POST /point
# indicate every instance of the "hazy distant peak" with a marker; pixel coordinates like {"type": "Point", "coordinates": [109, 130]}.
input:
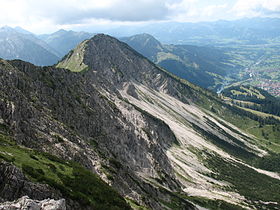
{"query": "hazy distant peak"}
{"type": "Point", "coordinates": [145, 43]}
{"type": "Point", "coordinates": [60, 31]}
{"type": "Point", "coordinates": [63, 40]}
{"type": "Point", "coordinates": [144, 36]}
{"type": "Point", "coordinates": [18, 43]}
{"type": "Point", "coordinates": [7, 29]}
{"type": "Point", "coordinates": [16, 30]}
{"type": "Point", "coordinates": [22, 30]}
{"type": "Point", "coordinates": [63, 32]}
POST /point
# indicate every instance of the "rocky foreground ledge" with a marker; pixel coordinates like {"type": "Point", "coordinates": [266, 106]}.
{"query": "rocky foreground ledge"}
{"type": "Point", "coordinates": [17, 192]}
{"type": "Point", "coordinates": [26, 203]}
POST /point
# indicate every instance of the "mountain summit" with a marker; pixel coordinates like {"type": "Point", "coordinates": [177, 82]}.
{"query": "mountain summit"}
{"type": "Point", "coordinates": [145, 44]}
{"type": "Point", "coordinates": [118, 64]}
{"type": "Point", "coordinates": [111, 58]}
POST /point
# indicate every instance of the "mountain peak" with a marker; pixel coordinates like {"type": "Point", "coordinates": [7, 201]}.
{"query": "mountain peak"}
{"type": "Point", "coordinates": [145, 35]}
{"type": "Point", "coordinates": [145, 43]}
{"type": "Point", "coordinates": [15, 30]}
{"type": "Point", "coordinates": [22, 30]}
{"type": "Point", "coordinates": [7, 29]}
{"type": "Point", "coordinates": [145, 38]}
{"type": "Point", "coordinates": [110, 60]}
{"type": "Point", "coordinates": [103, 37]}
{"type": "Point", "coordinates": [90, 53]}
{"type": "Point", "coordinates": [60, 31]}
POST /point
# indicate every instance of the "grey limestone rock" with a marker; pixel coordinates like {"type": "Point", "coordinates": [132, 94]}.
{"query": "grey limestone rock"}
{"type": "Point", "coordinates": [25, 203]}
{"type": "Point", "coordinates": [13, 184]}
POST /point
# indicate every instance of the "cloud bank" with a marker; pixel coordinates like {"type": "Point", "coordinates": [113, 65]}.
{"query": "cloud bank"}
{"type": "Point", "coordinates": [41, 15]}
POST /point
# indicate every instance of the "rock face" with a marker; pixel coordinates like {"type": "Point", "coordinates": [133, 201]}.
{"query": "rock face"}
{"type": "Point", "coordinates": [13, 185]}
{"type": "Point", "coordinates": [139, 128]}
{"type": "Point", "coordinates": [26, 203]}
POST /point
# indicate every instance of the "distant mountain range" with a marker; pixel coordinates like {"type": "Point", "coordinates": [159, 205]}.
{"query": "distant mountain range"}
{"type": "Point", "coordinates": [19, 44]}
{"type": "Point", "coordinates": [209, 54]}
{"type": "Point", "coordinates": [47, 49]}
{"type": "Point", "coordinates": [246, 31]}
{"type": "Point", "coordinates": [64, 41]}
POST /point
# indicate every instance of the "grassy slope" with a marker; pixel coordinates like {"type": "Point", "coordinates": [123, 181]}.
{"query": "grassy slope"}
{"type": "Point", "coordinates": [74, 60]}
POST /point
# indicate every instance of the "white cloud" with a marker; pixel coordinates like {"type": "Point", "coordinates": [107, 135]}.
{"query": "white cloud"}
{"type": "Point", "coordinates": [253, 8]}
{"type": "Point", "coordinates": [12, 11]}
{"type": "Point", "coordinates": [73, 11]}
{"type": "Point", "coordinates": [183, 10]}
{"type": "Point", "coordinates": [49, 15]}
{"type": "Point", "coordinates": [35, 15]}
{"type": "Point", "coordinates": [213, 10]}
{"type": "Point", "coordinates": [195, 10]}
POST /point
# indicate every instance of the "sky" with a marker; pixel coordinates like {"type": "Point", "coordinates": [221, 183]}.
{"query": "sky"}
{"type": "Point", "coordinates": [46, 16]}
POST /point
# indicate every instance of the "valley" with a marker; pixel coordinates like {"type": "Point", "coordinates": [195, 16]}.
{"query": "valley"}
{"type": "Point", "coordinates": [261, 67]}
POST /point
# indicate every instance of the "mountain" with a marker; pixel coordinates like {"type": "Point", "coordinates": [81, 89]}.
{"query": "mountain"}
{"type": "Point", "coordinates": [63, 41]}
{"type": "Point", "coordinates": [25, 46]}
{"type": "Point", "coordinates": [22, 30]}
{"type": "Point", "coordinates": [203, 66]}
{"type": "Point", "coordinates": [159, 141]}
{"type": "Point", "coordinates": [145, 44]}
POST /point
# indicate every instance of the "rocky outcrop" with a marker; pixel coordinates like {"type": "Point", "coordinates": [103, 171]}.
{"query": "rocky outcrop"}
{"type": "Point", "coordinates": [26, 203]}
{"type": "Point", "coordinates": [13, 185]}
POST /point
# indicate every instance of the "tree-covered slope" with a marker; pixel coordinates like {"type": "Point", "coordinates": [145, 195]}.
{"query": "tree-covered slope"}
{"type": "Point", "coordinates": [253, 98]}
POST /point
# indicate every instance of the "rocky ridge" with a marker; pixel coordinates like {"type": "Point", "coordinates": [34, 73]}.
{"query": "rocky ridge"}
{"type": "Point", "coordinates": [141, 129]}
